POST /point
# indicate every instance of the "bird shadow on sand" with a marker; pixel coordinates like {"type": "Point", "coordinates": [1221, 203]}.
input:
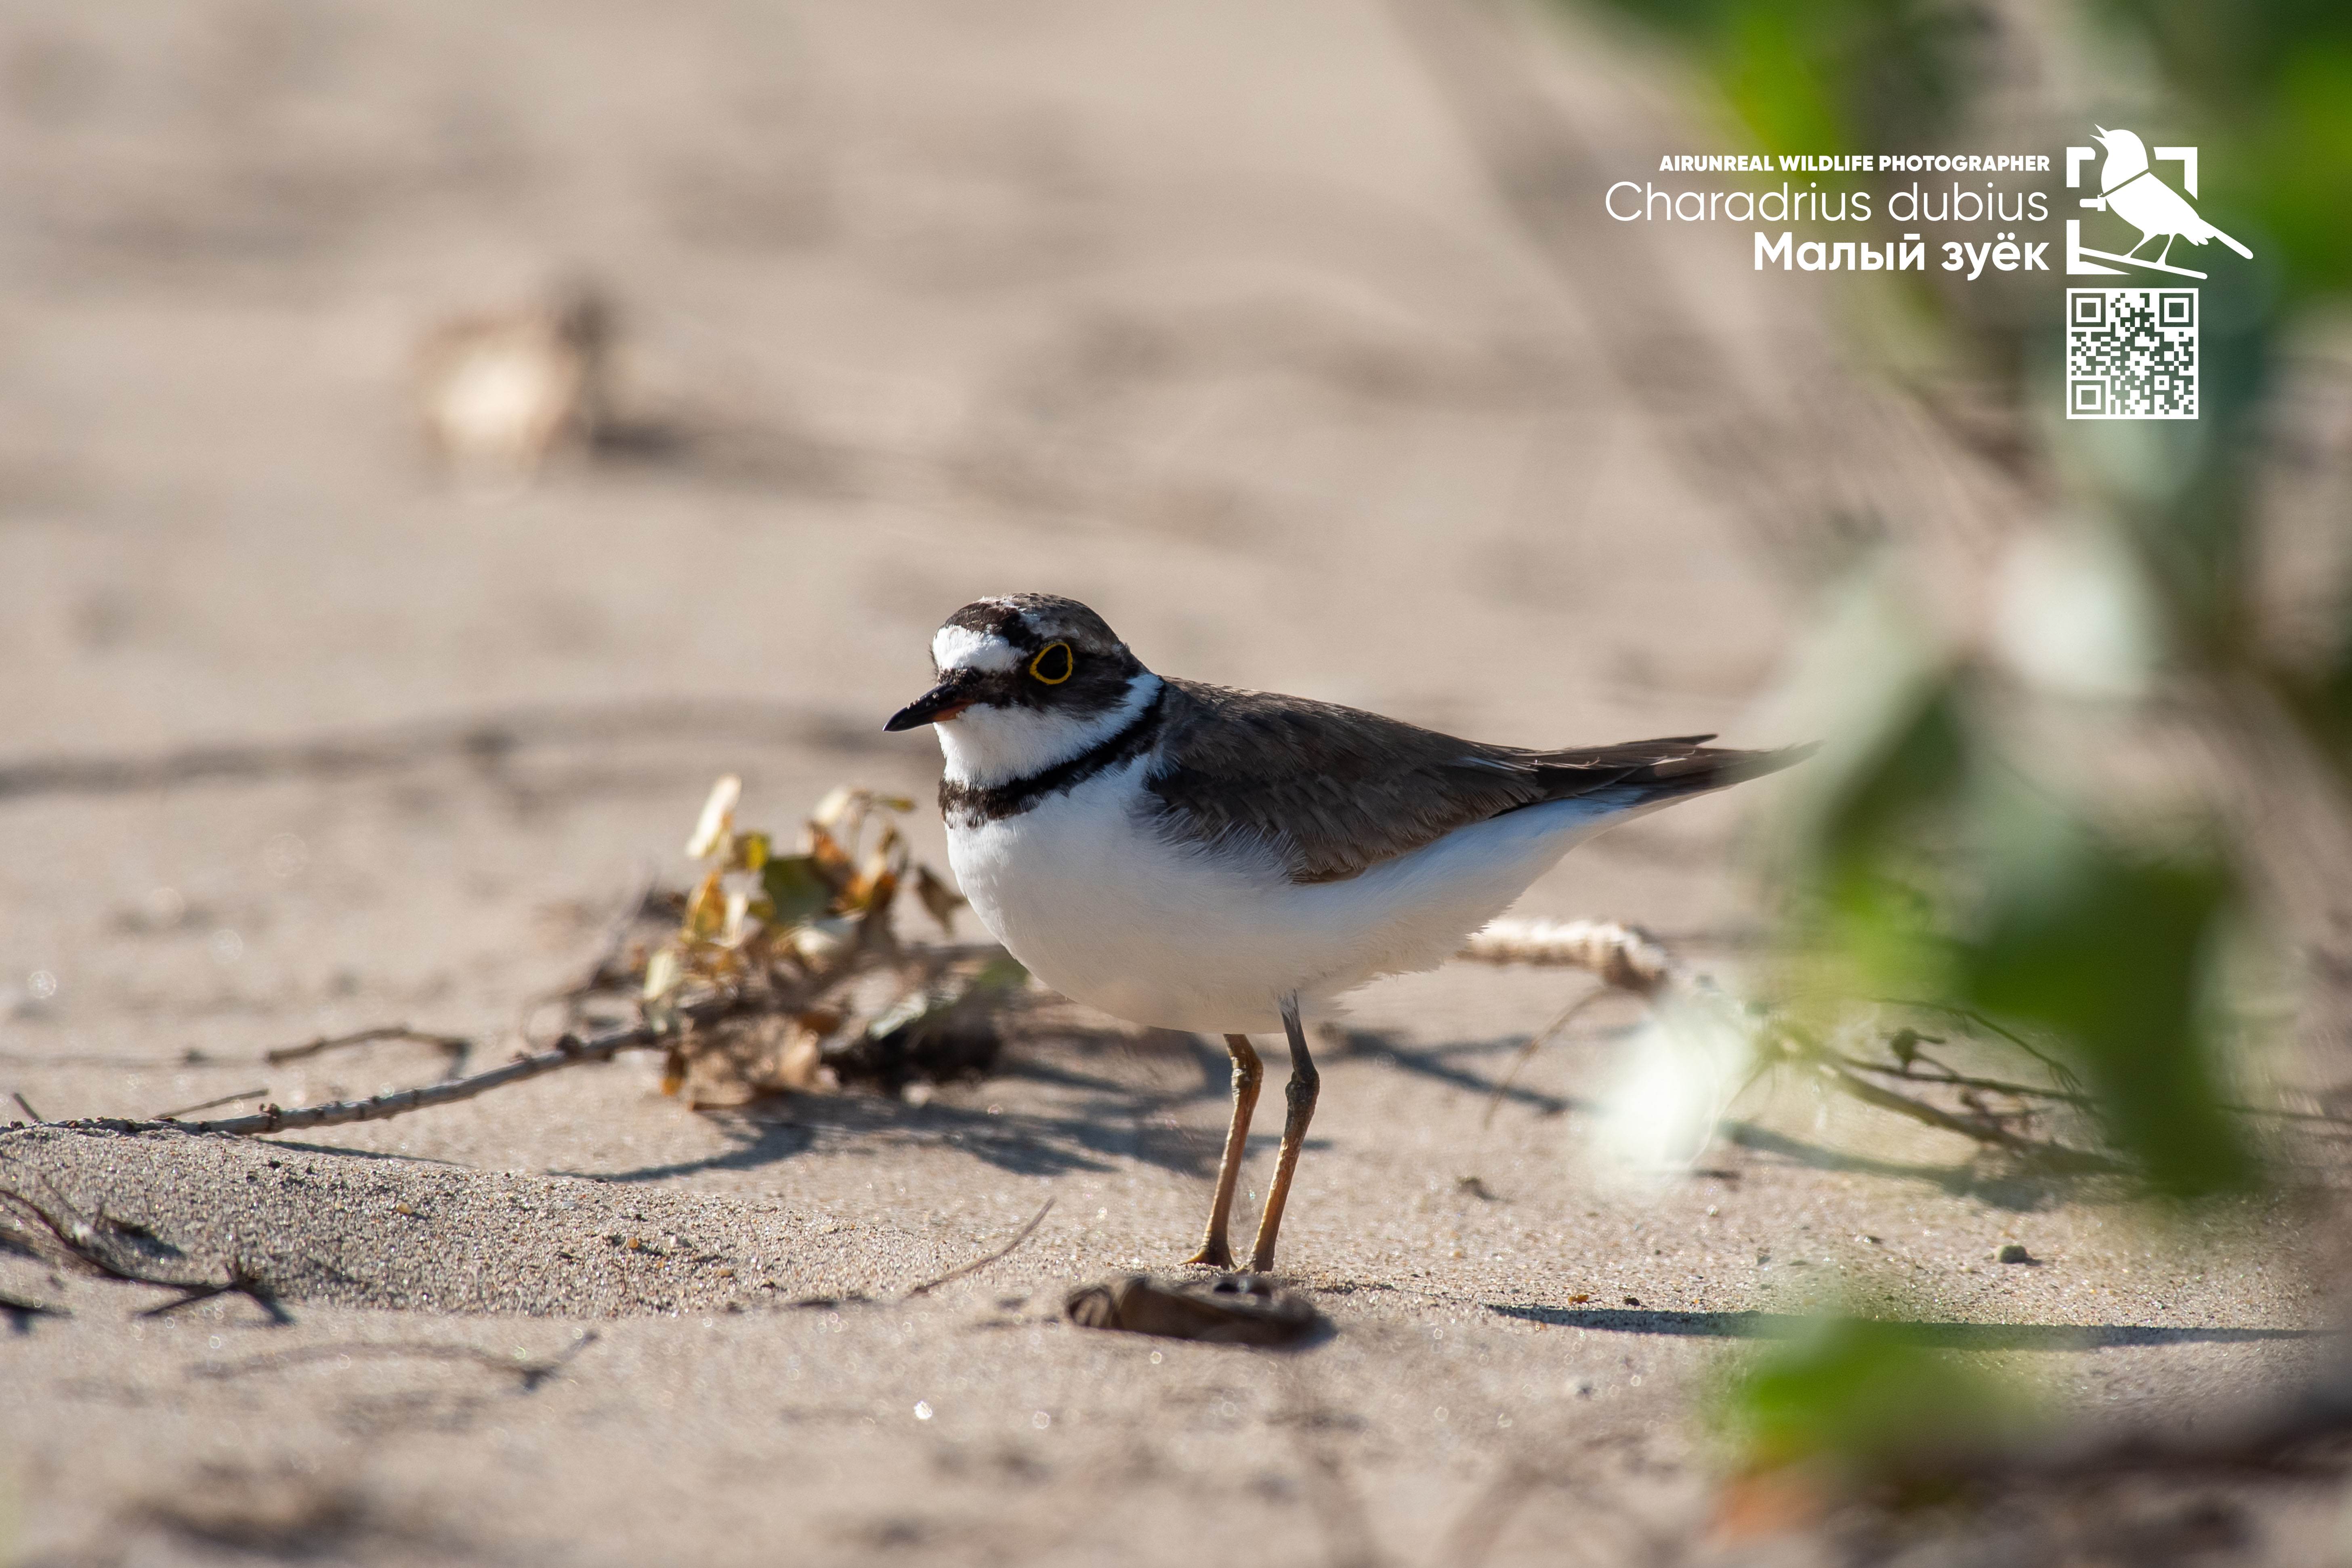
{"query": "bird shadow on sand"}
{"type": "Point", "coordinates": [1452, 1063]}
{"type": "Point", "coordinates": [1947, 1336]}
{"type": "Point", "coordinates": [1044, 1113]}
{"type": "Point", "coordinates": [1076, 1100]}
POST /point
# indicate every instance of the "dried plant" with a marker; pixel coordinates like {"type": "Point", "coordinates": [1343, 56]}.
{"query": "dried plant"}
{"type": "Point", "coordinates": [807, 936]}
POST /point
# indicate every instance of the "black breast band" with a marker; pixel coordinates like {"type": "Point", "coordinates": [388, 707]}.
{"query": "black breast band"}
{"type": "Point", "coordinates": [968, 805]}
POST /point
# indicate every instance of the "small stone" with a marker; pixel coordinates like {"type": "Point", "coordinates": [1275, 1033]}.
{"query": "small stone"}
{"type": "Point", "coordinates": [2013, 1252]}
{"type": "Point", "coordinates": [1633, 1300]}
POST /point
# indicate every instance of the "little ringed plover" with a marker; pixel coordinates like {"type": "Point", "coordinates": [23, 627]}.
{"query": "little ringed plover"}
{"type": "Point", "coordinates": [1192, 856]}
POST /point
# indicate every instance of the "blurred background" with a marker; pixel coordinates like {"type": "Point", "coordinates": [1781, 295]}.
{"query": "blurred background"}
{"type": "Point", "coordinates": [435, 440]}
{"type": "Point", "coordinates": [588, 403]}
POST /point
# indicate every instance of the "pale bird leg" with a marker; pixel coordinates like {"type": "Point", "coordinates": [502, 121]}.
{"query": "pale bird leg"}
{"type": "Point", "coordinates": [1248, 1074]}
{"type": "Point", "coordinates": [1300, 1095]}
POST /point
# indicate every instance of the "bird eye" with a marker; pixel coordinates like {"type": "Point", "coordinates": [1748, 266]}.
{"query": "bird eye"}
{"type": "Point", "coordinates": [1055, 663]}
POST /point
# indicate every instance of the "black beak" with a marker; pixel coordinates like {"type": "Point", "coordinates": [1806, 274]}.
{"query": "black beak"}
{"type": "Point", "coordinates": [950, 696]}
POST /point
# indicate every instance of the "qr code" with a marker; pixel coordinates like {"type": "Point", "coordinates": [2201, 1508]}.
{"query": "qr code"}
{"type": "Point", "coordinates": [2131, 353]}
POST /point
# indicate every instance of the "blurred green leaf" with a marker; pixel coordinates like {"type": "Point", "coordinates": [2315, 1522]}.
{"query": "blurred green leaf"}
{"type": "Point", "coordinates": [1773, 82]}
{"type": "Point", "coordinates": [795, 891]}
{"type": "Point", "coordinates": [1863, 1395]}
{"type": "Point", "coordinates": [2109, 950]}
{"type": "Point", "coordinates": [1000, 975]}
{"type": "Point", "coordinates": [1877, 803]}
{"type": "Point", "coordinates": [2269, 82]}
{"type": "Point", "coordinates": [1912, 769]}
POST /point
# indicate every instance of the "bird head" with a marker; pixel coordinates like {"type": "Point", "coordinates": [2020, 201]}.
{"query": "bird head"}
{"type": "Point", "coordinates": [1025, 681]}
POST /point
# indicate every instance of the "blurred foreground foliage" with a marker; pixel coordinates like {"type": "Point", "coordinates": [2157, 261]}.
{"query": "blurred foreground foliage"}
{"type": "Point", "coordinates": [2002, 825]}
{"type": "Point", "coordinates": [2103, 938]}
{"type": "Point", "coordinates": [1960, 847]}
{"type": "Point", "coordinates": [2266, 85]}
{"type": "Point", "coordinates": [1848, 1394]}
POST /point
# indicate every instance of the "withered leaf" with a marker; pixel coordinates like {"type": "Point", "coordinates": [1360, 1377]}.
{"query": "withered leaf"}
{"type": "Point", "coordinates": [663, 973]}
{"type": "Point", "coordinates": [940, 899]}
{"type": "Point", "coordinates": [706, 910]}
{"type": "Point", "coordinates": [828, 858]}
{"type": "Point", "coordinates": [837, 806]}
{"type": "Point", "coordinates": [871, 893]}
{"type": "Point", "coordinates": [718, 817]}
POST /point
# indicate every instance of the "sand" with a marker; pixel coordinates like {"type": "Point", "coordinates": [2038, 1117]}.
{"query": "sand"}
{"type": "Point", "coordinates": [1208, 316]}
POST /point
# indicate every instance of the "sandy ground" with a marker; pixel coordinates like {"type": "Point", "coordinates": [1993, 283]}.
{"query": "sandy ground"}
{"type": "Point", "coordinates": [1206, 314]}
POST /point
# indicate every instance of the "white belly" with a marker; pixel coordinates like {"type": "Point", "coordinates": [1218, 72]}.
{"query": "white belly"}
{"type": "Point", "coordinates": [1085, 893]}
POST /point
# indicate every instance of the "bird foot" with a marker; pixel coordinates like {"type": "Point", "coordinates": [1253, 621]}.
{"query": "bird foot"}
{"type": "Point", "coordinates": [1212, 1254]}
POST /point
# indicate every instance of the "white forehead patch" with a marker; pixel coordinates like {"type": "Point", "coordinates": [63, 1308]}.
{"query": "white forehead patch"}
{"type": "Point", "coordinates": [960, 648]}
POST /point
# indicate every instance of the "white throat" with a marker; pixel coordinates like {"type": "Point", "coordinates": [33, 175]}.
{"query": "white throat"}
{"type": "Point", "coordinates": [985, 746]}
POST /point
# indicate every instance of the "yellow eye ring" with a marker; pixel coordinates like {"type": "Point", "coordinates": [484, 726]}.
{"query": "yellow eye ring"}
{"type": "Point", "coordinates": [1069, 664]}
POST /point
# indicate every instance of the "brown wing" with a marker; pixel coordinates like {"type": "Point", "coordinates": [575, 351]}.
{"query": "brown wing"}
{"type": "Point", "coordinates": [1335, 791]}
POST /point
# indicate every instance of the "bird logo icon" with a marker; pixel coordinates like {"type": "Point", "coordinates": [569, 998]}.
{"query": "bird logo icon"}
{"type": "Point", "coordinates": [2130, 188]}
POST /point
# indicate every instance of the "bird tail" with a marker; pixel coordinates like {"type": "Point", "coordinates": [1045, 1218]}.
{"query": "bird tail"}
{"type": "Point", "coordinates": [1648, 773]}
{"type": "Point", "coordinates": [2232, 243]}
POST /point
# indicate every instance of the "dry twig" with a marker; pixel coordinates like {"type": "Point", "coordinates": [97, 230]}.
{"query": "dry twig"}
{"type": "Point", "coordinates": [1623, 957]}
{"type": "Point", "coordinates": [69, 1241]}
{"type": "Point", "coordinates": [2055, 1157]}
{"type": "Point", "coordinates": [977, 1264]}
{"type": "Point", "coordinates": [218, 1100]}
{"type": "Point", "coordinates": [569, 1051]}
